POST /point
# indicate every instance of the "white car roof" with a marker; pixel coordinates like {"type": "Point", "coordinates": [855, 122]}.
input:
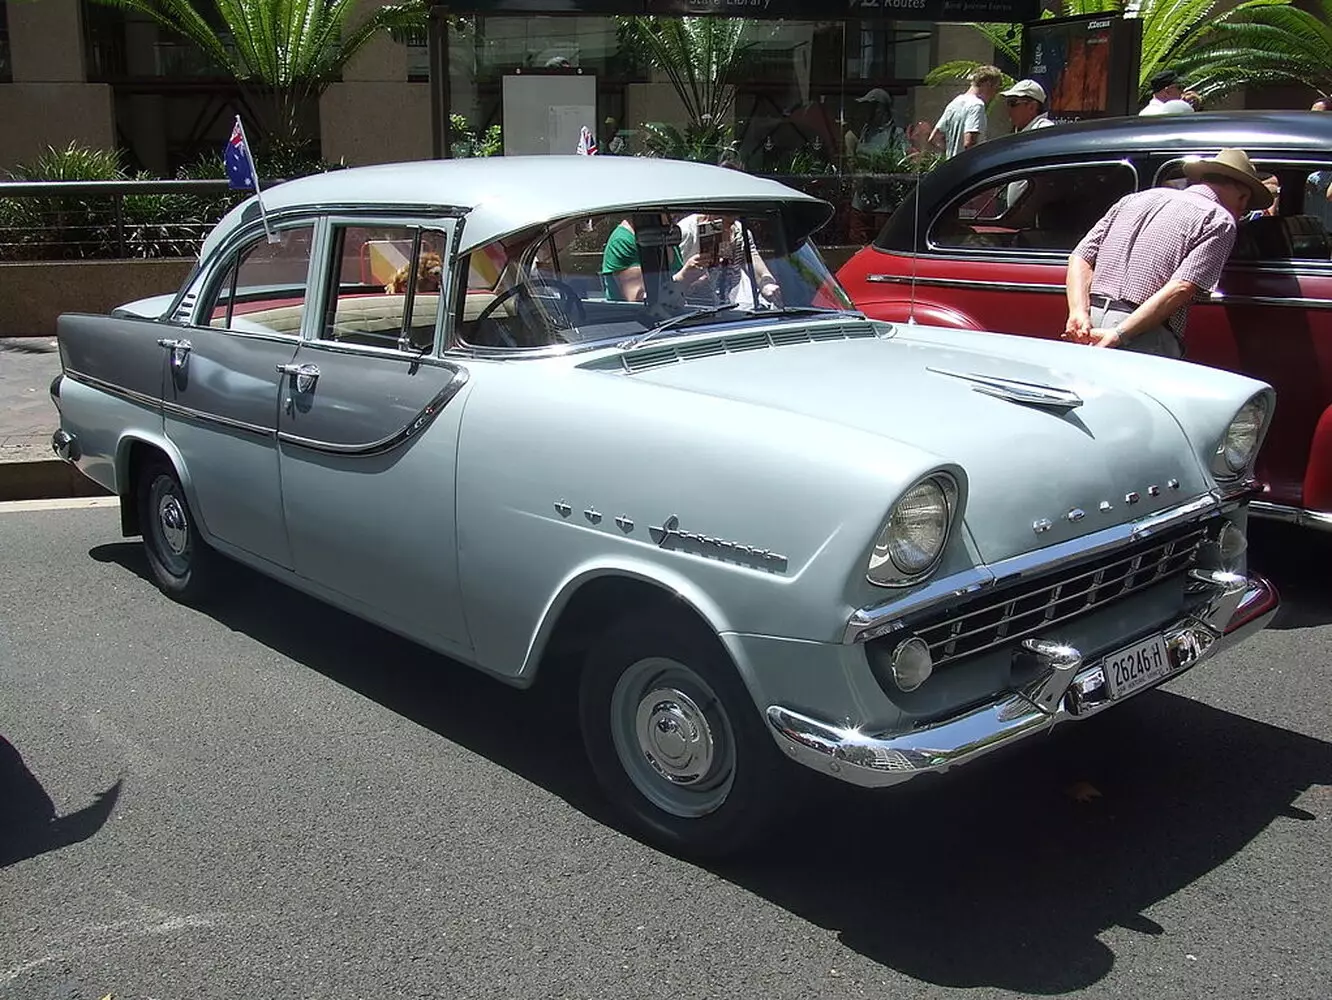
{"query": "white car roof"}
{"type": "Point", "coordinates": [505, 194]}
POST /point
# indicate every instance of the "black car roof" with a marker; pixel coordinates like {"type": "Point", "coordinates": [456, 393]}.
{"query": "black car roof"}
{"type": "Point", "coordinates": [1287, 132]}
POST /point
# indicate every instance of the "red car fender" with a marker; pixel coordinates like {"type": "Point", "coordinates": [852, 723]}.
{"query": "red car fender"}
{"type": "Point", "coordinates": [925, 313]}
{"type": "Point", "coordinates": [1318, 473]}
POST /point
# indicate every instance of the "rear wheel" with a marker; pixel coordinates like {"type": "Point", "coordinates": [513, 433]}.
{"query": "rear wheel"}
{"type": "Point", "coordinates": [674, 737]}
{"type": "Point", "coordinates": [182, 564]}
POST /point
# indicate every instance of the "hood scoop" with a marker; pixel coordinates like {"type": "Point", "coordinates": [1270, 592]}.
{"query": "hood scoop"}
{"type": "Point", "coordinates": [1043, 397]}
{"type": "Point", "coordinates": [685, 349]}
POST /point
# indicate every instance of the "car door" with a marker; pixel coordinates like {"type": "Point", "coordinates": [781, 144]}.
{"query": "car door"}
{"type": "Point", "coordinates": [996, 255]}
{"type": "Point", "coordinates": [367, 431]}
{"type": "Point", "coordinates": [1271, 318]}
{"type": "Point", "coordinates": [221, 392]}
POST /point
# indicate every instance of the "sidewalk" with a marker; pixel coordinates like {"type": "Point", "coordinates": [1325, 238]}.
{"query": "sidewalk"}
{"type": "Point", "coordinates": [28, 468]}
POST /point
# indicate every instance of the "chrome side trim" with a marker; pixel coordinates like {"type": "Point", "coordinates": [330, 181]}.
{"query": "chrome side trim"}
{"type": "Point", "coordinates": [129, 395]}
{"type": "Point", "coordinates": [1222, 299]}
{"type": "Point", "coordinates": [1226, 612]}
{"type": "Point", "coordinates": [879, 619]}
{"type": "Point", "coordinates": [199, 416]}
{"type": "Point", "coordinates": [422, 420]}
{"type": "Point", "coordinates": [969, 283]}
{"type": "Point", "coordinates": [1320, 519]}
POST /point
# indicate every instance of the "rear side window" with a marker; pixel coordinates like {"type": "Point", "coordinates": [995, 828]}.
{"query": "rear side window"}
{"type": "Point", "coordinates": [263, 288]}
{"type": "Point", "coordinates": [1040, 209]}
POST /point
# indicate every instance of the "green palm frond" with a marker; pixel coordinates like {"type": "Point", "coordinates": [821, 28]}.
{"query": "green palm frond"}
{"type": "Point", "coordinates": [697, 54]}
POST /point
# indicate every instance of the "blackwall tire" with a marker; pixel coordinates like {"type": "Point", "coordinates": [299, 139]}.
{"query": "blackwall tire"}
{"type": "Point", "coordinates": [182, 564]}
{"type": "Point", "coordinates": [675, 740]}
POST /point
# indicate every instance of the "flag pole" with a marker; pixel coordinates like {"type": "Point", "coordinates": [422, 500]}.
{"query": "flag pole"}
{"type": "Point", "coordinates": [254, 174]}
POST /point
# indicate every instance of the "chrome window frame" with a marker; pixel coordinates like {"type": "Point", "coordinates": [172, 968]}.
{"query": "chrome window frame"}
{"type": "Point", "coordinates": [208, 275]}
{"type": "Point", "coordinates": [1008, 177]}
{"type": "Point", "coordinates": [446, 225]}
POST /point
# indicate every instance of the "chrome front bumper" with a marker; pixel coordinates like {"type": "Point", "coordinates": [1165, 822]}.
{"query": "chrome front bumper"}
{"type": "Point", "coordinates": [1227, 608]}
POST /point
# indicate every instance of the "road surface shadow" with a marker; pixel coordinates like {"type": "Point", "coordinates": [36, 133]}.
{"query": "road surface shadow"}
{"type": "Point", "coordinates": [30, 825]}
{"type": "Point", "coordinates": [1297, 561]}
{"type": "Point", "coordinates": [999, 875]}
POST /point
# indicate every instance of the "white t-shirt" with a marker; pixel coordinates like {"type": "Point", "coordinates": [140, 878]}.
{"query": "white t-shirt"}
{"type": "Point", "coordinates": [965, 113]}
{"type": "Point", "coordinates": [729, 282]}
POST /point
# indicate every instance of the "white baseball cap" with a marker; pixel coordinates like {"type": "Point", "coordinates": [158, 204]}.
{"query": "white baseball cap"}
{"type": "Point", "coordinates": [1026, 88]}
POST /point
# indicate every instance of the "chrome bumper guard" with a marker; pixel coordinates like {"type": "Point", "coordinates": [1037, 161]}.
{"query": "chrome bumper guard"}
{"type": "Point", "coordinates": [1228, 608]}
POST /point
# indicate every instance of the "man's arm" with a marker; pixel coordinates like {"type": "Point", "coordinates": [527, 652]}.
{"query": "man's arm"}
{"type": "Point", "coordinates": [1152, 313]}
{"type": "Point", "coordinates": [1077, 287]}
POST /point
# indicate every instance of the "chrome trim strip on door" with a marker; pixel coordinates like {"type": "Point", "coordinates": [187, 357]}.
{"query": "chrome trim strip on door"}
{"type": "Point", "coordinates": [973, 283]}
{"type": "Point", "coordinates": [1322, 520]}
{"type": "Point", "coordinates": [421, 421]}
{"type": "Point", "coordinates": [1222, 299]}
{"type": "Point", "coordinates": [189, 413]}
{"type": "Point", "coordinates": [129, 395]}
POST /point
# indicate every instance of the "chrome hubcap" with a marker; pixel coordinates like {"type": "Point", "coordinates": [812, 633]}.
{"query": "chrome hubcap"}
{"type": "Point", "coordinates": [674, 735]}
{"type": "Point", "coordinates": [174, 524]}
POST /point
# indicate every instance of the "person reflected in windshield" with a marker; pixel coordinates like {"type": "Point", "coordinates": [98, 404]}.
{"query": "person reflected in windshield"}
{"type": "Point", "coordinates": [720, 242]}
{"type": "Point", "coordinates": [622, 266]}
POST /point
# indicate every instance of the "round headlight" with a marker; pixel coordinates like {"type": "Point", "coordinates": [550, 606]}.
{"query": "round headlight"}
{"type": "Point", "coordinates": [912, 663]}
{"type": "Point", "coordinates": [913, 539]}
{"type": "Point", "coordinates": [1237, 448]}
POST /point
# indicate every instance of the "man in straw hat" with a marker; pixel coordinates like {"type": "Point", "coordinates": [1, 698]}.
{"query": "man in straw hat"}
{"type": "Point", "coordinates": [1132, 278]}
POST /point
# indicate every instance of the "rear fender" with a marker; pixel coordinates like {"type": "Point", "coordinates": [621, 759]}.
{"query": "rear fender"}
{"type": "Point", "coordinates": [126, 487]}
{"type": "Point", "coordinates": [1318, 473]}
{"type": "Point", "coordinates": [923, 313]}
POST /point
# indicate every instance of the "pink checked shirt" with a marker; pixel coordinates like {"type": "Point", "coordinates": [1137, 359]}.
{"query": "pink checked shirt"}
{"type": "Point", "coordinates": [1155, 236]}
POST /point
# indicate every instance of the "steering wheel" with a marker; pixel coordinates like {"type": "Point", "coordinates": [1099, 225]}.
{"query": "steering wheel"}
{"type": "Point", "coordinates": [570, 304]}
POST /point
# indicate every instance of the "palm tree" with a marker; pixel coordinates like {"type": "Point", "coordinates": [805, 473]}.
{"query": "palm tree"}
{"type": "Point", "coordinates": [290, 49]}
{"type": "Point", "coordinates": [1217, 48]}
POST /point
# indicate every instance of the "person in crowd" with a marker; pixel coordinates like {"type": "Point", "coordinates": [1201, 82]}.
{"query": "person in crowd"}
{"type": "Point", "coordinates": [622, 266]}
{"type": "Point", "coordinates": [1165, 87]}
{"type": "Point", "coordinates": [880, 137]}
{"type": "Point", "coordinates": [1025, 103]}
{"type": "Point", "coordinates": [1174, 106]}
{"type": "Point", "coordinates": [719, 243]}
{"type": "Point", "coordinates": [1133, 277]}
{"type": "Point", "coordinates": [1193, 99]}
{"type": "Point", "coordinates": [963, 122]}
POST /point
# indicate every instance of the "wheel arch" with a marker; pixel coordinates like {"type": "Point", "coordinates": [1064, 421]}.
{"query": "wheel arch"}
{"type": "Point", "coordinates": [133, 451]}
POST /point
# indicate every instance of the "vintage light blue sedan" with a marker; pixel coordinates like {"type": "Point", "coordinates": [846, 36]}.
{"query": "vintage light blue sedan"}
{"type": "Point", "coordinates": [618, 413]}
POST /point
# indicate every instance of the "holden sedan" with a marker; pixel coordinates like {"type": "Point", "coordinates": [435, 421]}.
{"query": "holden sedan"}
{"type": "Point", "coordinates": [985, 243]}
{"type": "Point", "coordinates": [616, 415]}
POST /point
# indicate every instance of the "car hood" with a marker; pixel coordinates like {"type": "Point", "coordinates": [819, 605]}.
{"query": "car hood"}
{"type": "Point", "coordinates": [1074, 468]}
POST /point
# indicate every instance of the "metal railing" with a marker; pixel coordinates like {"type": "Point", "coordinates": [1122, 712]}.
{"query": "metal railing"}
{"type": "Point", "coordinates": [89, 220]}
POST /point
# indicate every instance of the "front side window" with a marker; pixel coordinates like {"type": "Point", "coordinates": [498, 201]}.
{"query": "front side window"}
{"type": "Point", "coordinates": [386, 287]}
{"type": "Point", "coordinates": [1034, 210]}
{"type": "Point", "coordinates": [263, 289]}
{"type": "Point", "coordinates": [1294, 228]}
{"type": "Point", "coordinates": [621, 275]}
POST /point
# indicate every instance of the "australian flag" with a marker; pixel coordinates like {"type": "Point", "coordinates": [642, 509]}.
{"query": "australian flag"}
{"type": "Point", "coordinates": [236, 157]}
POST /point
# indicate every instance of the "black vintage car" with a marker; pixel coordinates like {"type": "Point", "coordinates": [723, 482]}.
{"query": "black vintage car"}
{"type": "Point", "coordinates": [984, 245]}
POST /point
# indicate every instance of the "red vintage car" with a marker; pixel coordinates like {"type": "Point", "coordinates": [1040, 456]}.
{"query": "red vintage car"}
{"type": "Point", "coordinates": [984, 241]}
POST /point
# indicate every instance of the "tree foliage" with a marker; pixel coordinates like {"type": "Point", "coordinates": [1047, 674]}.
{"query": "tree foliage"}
{"type": "Point", "coordinates": [292, 49]}
{"type": "Point", "coordinates": [1217, 48]}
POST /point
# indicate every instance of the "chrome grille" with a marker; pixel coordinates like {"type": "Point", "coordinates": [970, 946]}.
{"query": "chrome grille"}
{"type": "Point", "coordinates": [1026, 608]}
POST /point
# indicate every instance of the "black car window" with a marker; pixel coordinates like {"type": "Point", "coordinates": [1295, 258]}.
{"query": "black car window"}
{"type": "Point", "coordinates": [386, 286]}
{"type": "Point", "coordinates": [1041, 209]}
{"type": "Point", "coordinates": [1297, 225]}
{"type": "Point", "coordinates": [263, 287]}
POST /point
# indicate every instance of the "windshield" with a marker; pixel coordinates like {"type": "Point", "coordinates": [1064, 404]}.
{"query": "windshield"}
{"type": "Point", "coordinates": [623, 276]}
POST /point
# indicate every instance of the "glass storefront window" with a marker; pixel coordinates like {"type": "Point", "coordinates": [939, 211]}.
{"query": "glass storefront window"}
{"type": "Point", "coordinates": [818, 104]}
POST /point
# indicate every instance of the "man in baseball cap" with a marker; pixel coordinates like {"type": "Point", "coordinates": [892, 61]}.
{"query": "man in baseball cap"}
{"type": "Point", "coordinates": [1025, 103]}
{"type": "Point", "coordinates": [1166, 86]}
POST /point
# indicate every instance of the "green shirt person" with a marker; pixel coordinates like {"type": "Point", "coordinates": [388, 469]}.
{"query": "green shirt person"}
{"type": "Point", "coordinates": [622, 266]}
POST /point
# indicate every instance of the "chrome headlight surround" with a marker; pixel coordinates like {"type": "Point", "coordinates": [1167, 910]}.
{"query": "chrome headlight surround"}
{"type": "Point", "coordinates": [1239, 444]}
{"type": "Point", "coordinates": [913, 539]}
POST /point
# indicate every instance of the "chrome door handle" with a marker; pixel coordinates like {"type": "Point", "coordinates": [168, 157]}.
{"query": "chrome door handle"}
{"type": "Point", "coordinates": [179, 348]}
{"type": "Point", "coordinates": [305, 375]}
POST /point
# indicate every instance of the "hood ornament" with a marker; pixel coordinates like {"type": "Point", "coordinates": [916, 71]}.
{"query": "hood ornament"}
{"type": "Point", "coordinates": [1045, 397]}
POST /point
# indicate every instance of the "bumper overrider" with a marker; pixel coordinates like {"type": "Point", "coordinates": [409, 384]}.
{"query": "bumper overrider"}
{"type": "Point", "coordinates": [1221, 609]}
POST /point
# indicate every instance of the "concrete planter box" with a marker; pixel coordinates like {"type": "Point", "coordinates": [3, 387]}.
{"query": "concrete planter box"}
{"type": "Point", "coordinates": [34, 293]}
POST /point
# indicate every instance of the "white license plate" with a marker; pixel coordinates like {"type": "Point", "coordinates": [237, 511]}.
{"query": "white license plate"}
{"type": "Point", "coordinates": [1136, 666]}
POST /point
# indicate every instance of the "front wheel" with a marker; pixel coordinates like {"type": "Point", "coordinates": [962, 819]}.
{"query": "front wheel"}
{"type": "Point", "coordinates": [675, 739]}
{"type": "Point", "coordinates": [182, 564]}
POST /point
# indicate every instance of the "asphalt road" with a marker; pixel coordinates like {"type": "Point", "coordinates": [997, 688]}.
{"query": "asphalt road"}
{"type": "Point", "coordinates": [274, 800]}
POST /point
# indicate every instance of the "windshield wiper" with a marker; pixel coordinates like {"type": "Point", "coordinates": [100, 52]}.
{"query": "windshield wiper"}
{"type": "Point", "coordinates": [674, 321]}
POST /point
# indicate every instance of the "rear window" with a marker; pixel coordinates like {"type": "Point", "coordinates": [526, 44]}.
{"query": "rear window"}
{"type": "Point", "coordinates": [1047, 209]}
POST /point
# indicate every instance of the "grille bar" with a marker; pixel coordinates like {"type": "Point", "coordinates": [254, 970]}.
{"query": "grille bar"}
{"type": "Point", "coordinates": [1016, 612]}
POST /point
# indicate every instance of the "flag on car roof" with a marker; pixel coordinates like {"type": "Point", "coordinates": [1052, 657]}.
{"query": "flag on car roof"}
{"type": "Point", "coordinates": [587, 142]}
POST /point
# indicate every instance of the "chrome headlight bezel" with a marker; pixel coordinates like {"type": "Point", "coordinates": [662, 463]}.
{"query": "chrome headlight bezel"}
{"type": "Point", "coordinates": [887, 566]}
{"type": "Point", "coordinates": [1238, 447]}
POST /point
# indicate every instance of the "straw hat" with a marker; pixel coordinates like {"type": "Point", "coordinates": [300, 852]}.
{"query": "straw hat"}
{"type": "Point", "coordinates": [1234, 164]}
